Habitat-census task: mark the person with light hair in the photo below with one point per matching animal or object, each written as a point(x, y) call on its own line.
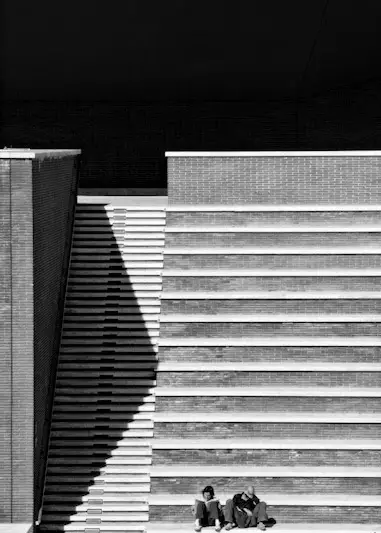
point(246, 510)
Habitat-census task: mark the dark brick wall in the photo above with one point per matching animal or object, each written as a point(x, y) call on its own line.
point(54, 198)
point(274, 180)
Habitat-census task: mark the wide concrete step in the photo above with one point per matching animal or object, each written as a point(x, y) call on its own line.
point(68, 461)
point(121, 274)
point(304, 527)
point(286, 417)
point(122, 250)
point(82, 487)
point(116, 508)
point(102, 365)
point(80, 327)
point(317, 341)
point(99, 444)
point(70, 415)
point(133, 453)
point(116, 230)
point(292, 390)
point(257, 366)
point(104, 527)
point(104, 384)
point(102, 478)
point(288, 294)
point(104, 298)
point(103, 320)
point(74, 411)
point(109, 341)
point(98, 423)
point(241, 318)
point(104, 313)
point(108, 498)
point(116, 433)
point(254, 443)
point(138, 258)
point(130, 353)
point(79, 263)
point(307, 249)
point(83, 373)
point(90, 469)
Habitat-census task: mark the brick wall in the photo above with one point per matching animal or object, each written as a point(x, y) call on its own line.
point(54, 196)
point(274, 180)
point(5, 342)
point(37, 206)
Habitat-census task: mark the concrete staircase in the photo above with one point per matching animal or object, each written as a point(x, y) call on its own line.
point(269, 365)
point(98, 476)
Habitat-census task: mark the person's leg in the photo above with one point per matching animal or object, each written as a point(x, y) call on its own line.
point(214, 515)
point(229, 514)
point(260, 514)
point(200, 515)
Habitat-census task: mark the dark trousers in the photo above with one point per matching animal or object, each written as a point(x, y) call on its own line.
point(207, 514)
point(232, 514)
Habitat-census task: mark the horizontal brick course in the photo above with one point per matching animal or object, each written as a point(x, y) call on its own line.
point(264, 307)
point(269, 353)
point(269, 240)
point(283, 514)
point(276, 219)
point(289, 485)
point(274, 180)
point(267, 404)
point(261, 379)
point(268, 261)
point(266, 284)
point(268, 457)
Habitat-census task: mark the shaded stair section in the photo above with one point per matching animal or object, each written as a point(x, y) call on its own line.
point(99, 461)
point(269, 366)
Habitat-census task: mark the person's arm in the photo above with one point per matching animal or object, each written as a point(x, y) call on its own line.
point(237, 501)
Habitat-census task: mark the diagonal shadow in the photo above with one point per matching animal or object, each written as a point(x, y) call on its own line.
point(100, 401)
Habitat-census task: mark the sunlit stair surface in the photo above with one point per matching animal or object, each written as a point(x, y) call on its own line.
point(98, 474)
point(269, 366)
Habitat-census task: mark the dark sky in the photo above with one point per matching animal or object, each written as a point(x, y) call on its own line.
point(176, 50)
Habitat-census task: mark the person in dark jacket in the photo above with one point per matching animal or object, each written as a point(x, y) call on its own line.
point(246, 510)
point(208, 511)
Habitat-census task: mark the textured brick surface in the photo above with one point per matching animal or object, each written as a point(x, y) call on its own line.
point(270, 353)
point(34, 220)
point(269, 261)
point(266, 284)
point(263, 404)
point(5, 343)
point(274, 180)
point(284, 514)
point(269, 240)
point(273, 329)
point(278, 485)
point(291, 457)
point(231, 430)
point(254, 220)
point(54, 197)
point(272, 307)
point(263, 379)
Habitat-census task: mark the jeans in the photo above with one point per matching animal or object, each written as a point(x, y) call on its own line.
point(233, 514)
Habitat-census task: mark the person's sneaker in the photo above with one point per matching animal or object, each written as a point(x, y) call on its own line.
point(228, 526)
point(218, 528)
point(261, 526)
point(197, 528)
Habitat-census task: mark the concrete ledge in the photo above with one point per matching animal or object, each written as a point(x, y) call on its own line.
point(263, 444)
point(130, 202)
point(16, 528)
point(266, 295)
point(307, 153)
point(282, 366)
point(173, 527)
point(275, 318)
point(287, 417)
point(275, 250)
point(29, 153)
point(360, 272)
point(355, 500)
point(328, 392)
point(271, 341)
point(273, 229)
point(122, 191)
point(219, 471)
point(271, 207)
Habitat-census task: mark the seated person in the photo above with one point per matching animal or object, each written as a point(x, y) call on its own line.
point(245, 510)
point(208, 511)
